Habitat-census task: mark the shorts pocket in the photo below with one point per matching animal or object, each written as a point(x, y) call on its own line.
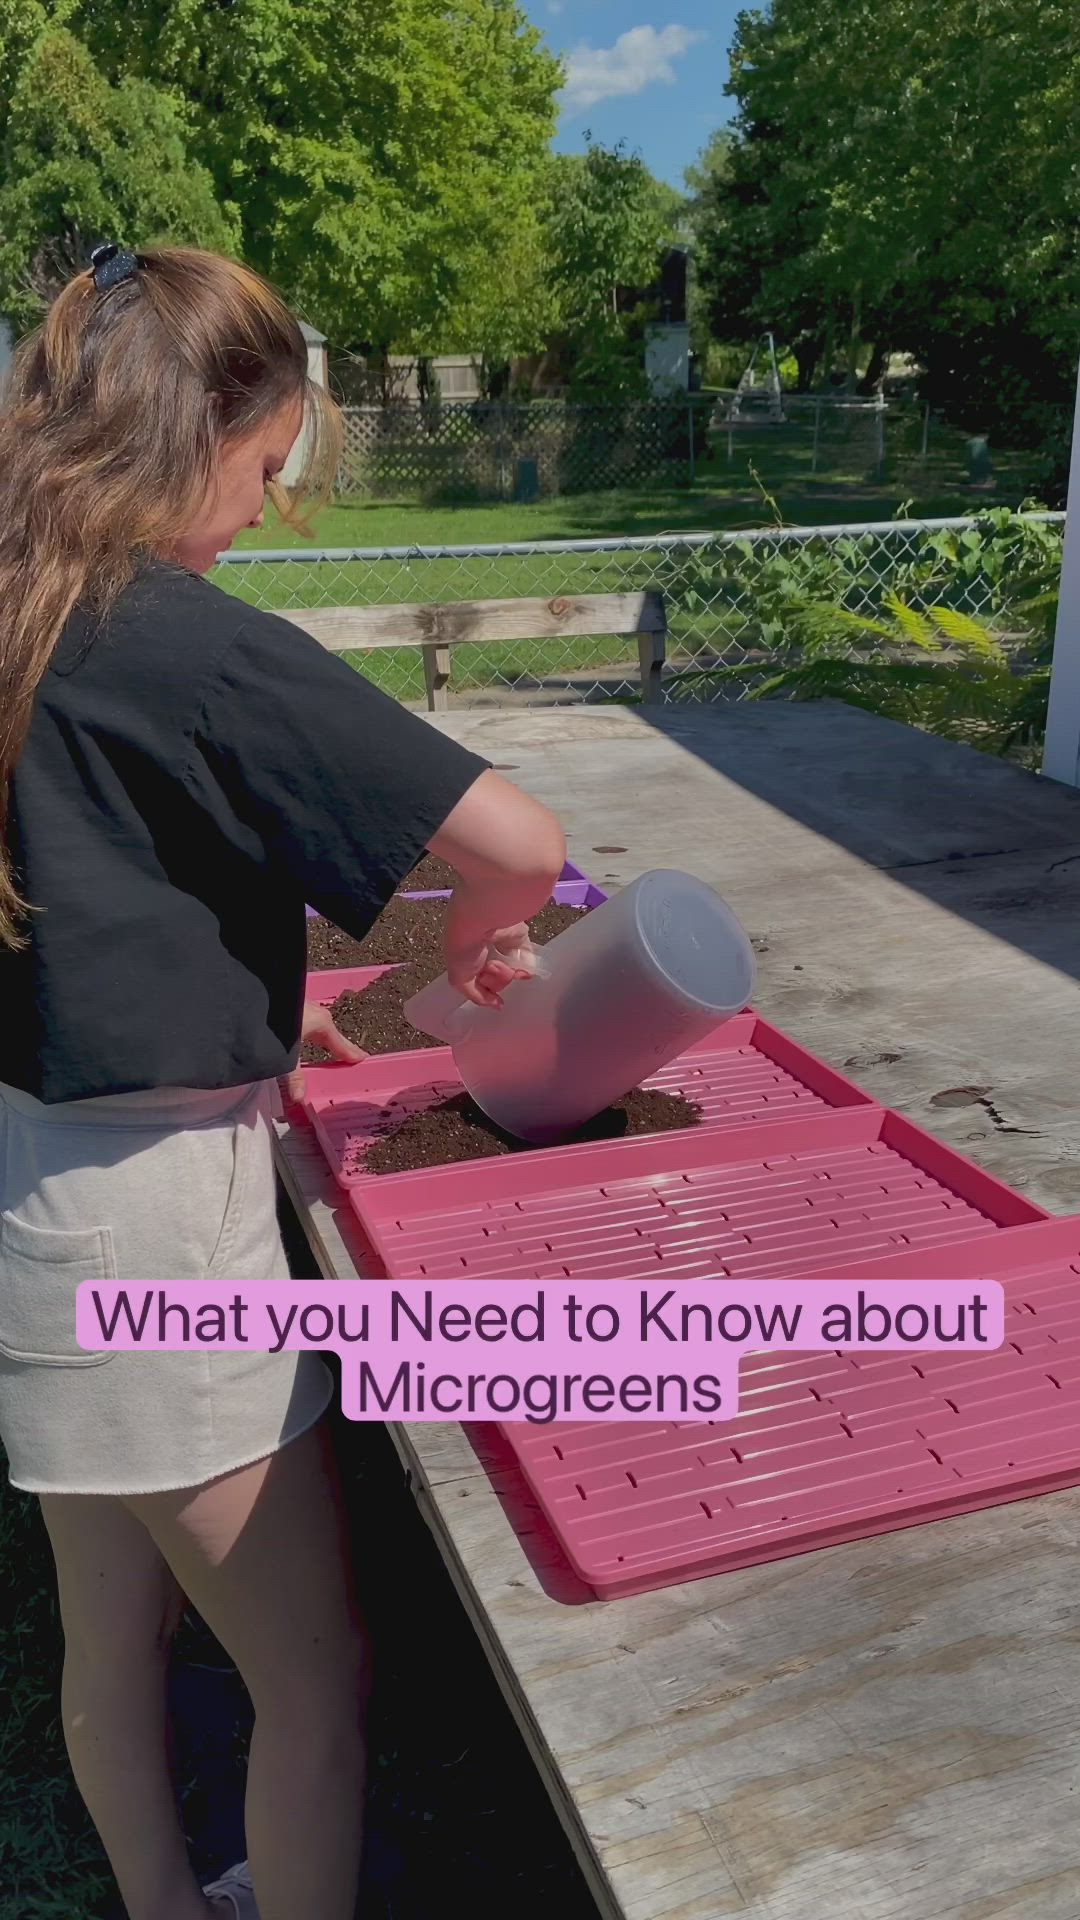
point(39, 1272)
point(249, 1149)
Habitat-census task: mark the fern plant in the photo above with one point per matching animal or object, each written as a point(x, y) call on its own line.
point(963, 676)
point(819, 622)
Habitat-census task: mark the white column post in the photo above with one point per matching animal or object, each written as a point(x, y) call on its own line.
point(317, 368)
point(1061, 754)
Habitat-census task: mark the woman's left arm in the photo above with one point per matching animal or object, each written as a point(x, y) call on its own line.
point(317, 1030)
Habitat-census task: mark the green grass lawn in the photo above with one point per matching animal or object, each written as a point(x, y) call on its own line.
point(714, 504)
point(723, 498)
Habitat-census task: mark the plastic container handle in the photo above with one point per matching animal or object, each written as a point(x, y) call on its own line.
point(444, 1014)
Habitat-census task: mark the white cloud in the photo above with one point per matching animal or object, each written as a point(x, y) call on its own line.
point(639, 57)
point(556, 6)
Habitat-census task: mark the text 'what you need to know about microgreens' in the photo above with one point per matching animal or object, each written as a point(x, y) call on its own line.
point(561, 1349)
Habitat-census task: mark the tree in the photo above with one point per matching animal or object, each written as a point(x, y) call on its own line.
point(899, 176)
point(705, 220)
point(382, 155)
point(83, 160)
point(607, 219)
point(506, 308)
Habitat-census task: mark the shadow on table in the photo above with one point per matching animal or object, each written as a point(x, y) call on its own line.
point(927, 811)
point(535, 1536)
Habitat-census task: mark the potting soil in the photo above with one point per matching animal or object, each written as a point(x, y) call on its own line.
point(373, 1019)
point(454, 1130)
point(410, 930)
point(430, 875)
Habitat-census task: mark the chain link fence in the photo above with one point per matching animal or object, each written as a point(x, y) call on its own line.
point(734, 601)
point(451, 452)
point(441, 451)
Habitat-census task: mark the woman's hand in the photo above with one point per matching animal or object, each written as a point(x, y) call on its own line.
point(317, 1029)
point(480, 968)
point(507, 851)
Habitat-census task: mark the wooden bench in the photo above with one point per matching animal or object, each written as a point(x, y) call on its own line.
point(437, 629)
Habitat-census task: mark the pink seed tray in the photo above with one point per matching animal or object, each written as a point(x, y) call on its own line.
point(746, 1073)
point(833, 1446)
point(775, 1197)
point(325, 983)
point(794, 1173)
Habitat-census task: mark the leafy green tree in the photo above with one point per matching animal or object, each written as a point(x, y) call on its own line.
point(703, 220)
point(607, 220)
point(901, 178)
point(382, 155)
point(508, 309)
point(83, 159)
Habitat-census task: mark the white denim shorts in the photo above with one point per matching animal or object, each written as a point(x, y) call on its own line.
point(176, 1185)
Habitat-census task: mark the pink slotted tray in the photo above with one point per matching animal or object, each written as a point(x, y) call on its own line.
point(777, 1197)
point(826, 1447)
point(326, 983)
point(747, 1072)
point(834, 1446)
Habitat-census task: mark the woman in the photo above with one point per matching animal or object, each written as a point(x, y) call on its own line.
point(178, 774)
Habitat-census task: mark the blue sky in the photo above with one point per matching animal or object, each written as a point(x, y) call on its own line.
point(650, 74)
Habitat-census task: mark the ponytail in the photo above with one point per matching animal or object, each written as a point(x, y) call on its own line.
point(117, 410)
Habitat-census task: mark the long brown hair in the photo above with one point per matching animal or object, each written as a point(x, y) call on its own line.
point(116, 412)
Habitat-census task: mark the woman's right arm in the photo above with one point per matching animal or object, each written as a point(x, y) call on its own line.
point(508, 851)
point(344, 789)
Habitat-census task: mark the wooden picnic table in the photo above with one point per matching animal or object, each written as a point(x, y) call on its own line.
point(885, 1730)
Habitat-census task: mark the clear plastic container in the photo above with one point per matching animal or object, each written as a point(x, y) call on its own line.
point(614, 998)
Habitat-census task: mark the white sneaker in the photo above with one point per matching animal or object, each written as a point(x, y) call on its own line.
point(236, 1886)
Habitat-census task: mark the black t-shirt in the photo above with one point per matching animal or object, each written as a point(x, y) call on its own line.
point(195, 771)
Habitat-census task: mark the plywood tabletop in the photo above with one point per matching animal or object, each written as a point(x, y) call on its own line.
point(880, 1731)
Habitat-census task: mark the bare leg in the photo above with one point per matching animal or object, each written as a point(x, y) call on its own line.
point(263, 1554)
point(120, 1606)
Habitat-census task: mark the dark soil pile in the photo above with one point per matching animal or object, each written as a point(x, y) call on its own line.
point(455, 1130)
point(328, 946)
point(430, 875)
point(373, 1019)
point(404, 930)
point(551, 920)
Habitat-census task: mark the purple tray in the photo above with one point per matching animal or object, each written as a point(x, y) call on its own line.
point(568, 893)
point(576, 892)
point(569, 876)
